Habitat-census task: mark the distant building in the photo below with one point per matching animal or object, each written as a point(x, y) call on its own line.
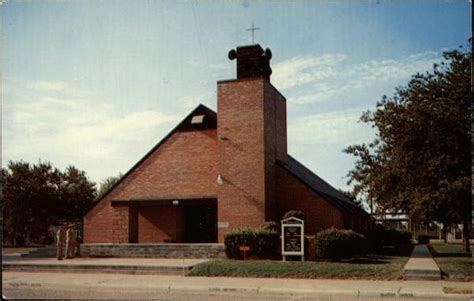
point(216, 172)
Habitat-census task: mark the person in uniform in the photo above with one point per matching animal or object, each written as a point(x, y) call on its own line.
point(60, 238)
point(72, 246)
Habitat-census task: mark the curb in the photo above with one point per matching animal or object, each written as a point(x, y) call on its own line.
point(250, 291)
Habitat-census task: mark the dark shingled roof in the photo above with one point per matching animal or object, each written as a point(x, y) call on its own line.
point(317, 184)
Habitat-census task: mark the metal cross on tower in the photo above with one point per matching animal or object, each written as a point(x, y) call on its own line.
point(253, 31)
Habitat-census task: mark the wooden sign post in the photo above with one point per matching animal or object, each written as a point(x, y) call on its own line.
point(292, 240)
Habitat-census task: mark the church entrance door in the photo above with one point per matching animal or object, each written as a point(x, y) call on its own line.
point(200, 223)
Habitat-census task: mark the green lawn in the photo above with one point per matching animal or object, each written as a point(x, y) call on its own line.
point(455, 264)
point(449, 248)
point(376, 266)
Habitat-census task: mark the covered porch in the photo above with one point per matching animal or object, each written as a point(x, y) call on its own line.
point(190, 219)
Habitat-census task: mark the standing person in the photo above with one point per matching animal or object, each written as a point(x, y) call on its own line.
point(72, 246)
point(69, 245)
point(77, 245)
point(52, 233)
point(60, 237)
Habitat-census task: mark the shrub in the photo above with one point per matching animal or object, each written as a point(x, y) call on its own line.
point(271, 226)
point(375, 238)
point(394, 237)
point(263, 243)
point(267, 244)
point(237, 238)
point(423, 239)
point(335, 244)
point(295, 213)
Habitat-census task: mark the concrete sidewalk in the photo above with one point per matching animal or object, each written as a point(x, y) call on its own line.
point(101, 265)
point(249, 286)
point(421, 265)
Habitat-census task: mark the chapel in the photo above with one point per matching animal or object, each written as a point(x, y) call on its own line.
point(220, 171)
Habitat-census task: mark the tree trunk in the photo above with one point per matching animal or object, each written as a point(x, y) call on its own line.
point(466, 231)
point(445, 233)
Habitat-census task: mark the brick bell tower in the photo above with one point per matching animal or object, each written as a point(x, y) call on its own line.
point(252, 136)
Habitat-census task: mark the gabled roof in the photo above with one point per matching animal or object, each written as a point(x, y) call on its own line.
point(210, 122)
point(318, 185)
point(297, 169)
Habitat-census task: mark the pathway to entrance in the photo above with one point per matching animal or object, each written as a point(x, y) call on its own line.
point(421, 265)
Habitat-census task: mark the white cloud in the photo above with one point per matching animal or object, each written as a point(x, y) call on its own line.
point(318, 140)
point(301, 70)
point(84, 132)
point(315, 79)
point(47, 86)
point(340, 127)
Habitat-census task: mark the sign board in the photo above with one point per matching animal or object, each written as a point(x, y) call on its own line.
point(223, 225)
point(292, 240)
point(244, 249)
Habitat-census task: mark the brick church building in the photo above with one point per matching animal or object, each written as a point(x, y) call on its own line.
point(216, 172)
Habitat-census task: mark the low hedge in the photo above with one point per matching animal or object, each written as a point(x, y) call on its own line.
point(336, 244)
point(379, 237)
point(423, 239)
point(394, 237)
point(375, 238)
point(263, 243)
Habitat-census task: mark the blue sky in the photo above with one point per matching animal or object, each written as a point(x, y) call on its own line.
point(97, 83)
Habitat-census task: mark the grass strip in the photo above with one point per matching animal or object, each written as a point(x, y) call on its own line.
point(455, 264)
point(376, 267)
point(457, 290)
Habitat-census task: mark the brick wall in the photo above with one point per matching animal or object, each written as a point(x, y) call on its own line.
point(275, 144)
point(241, 197)
point(159, 224)
point(252, 136)
point(184, 165)
point(295, 195)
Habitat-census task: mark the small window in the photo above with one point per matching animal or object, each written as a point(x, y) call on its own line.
point(198, 119)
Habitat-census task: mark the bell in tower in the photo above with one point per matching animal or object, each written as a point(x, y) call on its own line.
point(252, 61)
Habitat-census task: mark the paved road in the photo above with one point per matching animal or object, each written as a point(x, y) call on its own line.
point(88, 293)
point(46, 285)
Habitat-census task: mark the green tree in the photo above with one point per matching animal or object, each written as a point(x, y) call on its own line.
point(29, 195)
point(77, 193)
point(420, 163)
point(37, 196)
point(107, 183)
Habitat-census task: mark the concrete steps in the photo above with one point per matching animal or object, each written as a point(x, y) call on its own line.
point(421, 275)
point(97, 268)
point(154, 250)
point(47, 251)
point(159, 250)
